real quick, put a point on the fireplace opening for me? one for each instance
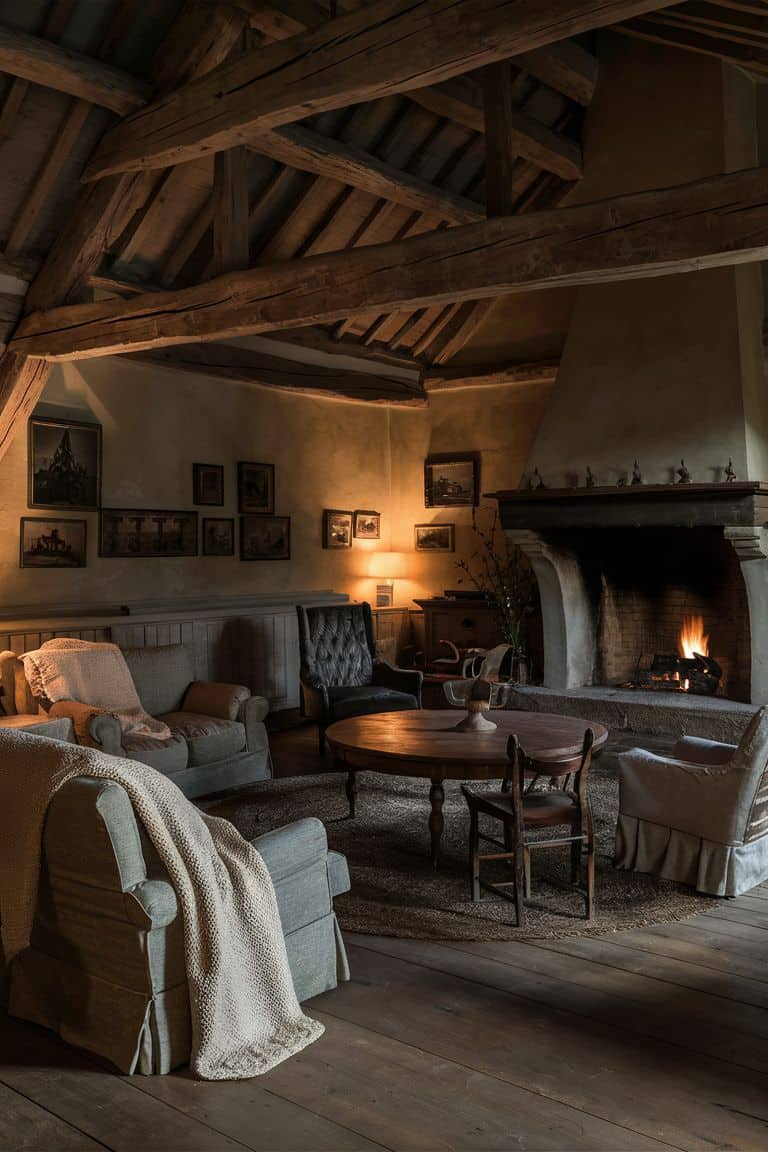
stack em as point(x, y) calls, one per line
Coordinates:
point(671, 610)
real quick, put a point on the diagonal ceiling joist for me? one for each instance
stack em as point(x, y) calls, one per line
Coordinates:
point(391, 46)
point(709, 223)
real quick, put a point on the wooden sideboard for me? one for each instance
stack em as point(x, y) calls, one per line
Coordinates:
point(467, 623)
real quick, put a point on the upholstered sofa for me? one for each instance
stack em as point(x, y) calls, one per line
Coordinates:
point(105, 966)
point(218, 738)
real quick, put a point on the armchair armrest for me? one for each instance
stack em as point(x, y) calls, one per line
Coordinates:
point(314, 699)
point(703, 800)
point(252, 714)
point(94, 727)
point(694, 750)
point(209, 699)
point(293, 847)
point(152, 904)
point(399, 679)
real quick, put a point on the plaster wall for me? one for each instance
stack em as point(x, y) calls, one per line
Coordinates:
point(668, 367)
point(327, 454)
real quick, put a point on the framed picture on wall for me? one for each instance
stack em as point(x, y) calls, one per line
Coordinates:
point(451, 481)
point(64, 464)
point(143, 533)
point(255, 488)
point(367, 525)
point(434, 537)
point(337, 528)
point(208, 484)
point(218, 536)
point(265, 537)
point(49, 543)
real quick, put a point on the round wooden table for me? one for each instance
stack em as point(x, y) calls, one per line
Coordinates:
point(424, 744)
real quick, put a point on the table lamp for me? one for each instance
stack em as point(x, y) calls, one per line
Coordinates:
point(385, 568)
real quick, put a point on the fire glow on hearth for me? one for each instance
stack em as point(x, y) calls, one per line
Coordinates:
point(691, 669)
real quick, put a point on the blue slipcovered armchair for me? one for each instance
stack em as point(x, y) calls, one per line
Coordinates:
point(105, 965)
point(340, 673)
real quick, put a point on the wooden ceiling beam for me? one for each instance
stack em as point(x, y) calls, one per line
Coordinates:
point(390, 46)
point(752, 55)
point(310, 151)
point(475, 376)
point(242, 364)
point(43, 62)
point(230, 211)
point(461, 100)
point(710, 223)
point(54, 23)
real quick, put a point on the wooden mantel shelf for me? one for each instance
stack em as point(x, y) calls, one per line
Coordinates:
point(741, 503)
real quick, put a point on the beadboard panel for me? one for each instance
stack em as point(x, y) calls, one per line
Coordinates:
point(250, 640)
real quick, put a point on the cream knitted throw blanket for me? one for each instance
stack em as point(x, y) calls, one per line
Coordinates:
point(95, 674)
point(245, 1015)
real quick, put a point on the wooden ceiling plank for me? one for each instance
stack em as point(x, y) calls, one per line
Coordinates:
point(319, 339)
point(310, 151)
point(474, 376)
point(462, 101)
point(230, 211)
point(53, 25)
point(740, 35)
point(437, 325)
point(43, 62)
point(295, 376)
point(704, 45)
point(566, 67)
point(288, 18)
point(460, 330)
point(391, 46)
point(716, 222)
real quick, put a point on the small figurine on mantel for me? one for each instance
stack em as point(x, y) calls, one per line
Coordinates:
point(590, 477)
point(730, 472)
point(622, 481)
point(536, 480)
point(683, 475)
point(637, 476)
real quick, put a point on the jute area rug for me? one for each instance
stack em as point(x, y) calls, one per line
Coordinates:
point(396, 892)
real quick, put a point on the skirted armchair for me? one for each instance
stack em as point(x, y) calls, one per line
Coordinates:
point(339, 672)
point(700, 816)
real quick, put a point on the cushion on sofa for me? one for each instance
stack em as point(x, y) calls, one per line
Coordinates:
point(208, 738)
point(167, 756)
point(161, 675)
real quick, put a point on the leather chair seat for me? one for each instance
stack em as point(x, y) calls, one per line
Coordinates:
point(365, 699)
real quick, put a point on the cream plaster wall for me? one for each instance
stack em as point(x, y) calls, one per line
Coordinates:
point(667, 367)
point(326, 453)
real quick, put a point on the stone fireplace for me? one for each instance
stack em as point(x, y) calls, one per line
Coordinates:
point(621, 568)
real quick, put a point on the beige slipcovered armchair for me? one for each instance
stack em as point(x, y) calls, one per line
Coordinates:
point(218, 739)
point(700, 816)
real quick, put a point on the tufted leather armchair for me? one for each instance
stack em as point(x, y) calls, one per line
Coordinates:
point(339, 672)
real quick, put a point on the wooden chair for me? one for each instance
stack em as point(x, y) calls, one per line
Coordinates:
point(522, 810)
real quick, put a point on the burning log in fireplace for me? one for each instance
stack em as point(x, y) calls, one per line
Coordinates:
point(691, 670)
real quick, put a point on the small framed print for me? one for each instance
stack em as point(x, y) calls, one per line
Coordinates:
point(255, 488)
point(367, 525)
point(142, 533)
point(435, 537)
point(208, 484)
point(451, 481)
point(48, 543)
point(265, 537)
point(64, 464)
point(337, 528)
point(218, 536)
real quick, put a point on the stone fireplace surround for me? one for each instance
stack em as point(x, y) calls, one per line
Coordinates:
point(611, 568)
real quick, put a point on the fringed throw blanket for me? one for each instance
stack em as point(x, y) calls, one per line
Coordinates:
point(245, 1015)
point(96, 674)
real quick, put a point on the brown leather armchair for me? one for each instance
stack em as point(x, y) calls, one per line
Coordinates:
point(340, 674)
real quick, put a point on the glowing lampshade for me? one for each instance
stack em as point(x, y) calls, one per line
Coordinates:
point(385, 568)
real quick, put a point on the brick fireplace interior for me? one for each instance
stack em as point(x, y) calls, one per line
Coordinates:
point(644, 582)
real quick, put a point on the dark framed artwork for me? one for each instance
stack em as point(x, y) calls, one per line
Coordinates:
point(52, 543)
point(218, 536)
point(64, 464)
point(451, 480)
point(145, 532)
point(265, 537)
point(367, 525)
point(435, 537)
point(208, 484)
point(337, 528)
point(255, 488)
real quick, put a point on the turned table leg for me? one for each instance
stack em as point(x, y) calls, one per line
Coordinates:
point(351, 791)
point(436, 822)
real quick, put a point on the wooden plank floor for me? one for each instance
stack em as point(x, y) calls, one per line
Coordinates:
point(654, 1038)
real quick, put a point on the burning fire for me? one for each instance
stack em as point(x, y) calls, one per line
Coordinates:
point(692, 640)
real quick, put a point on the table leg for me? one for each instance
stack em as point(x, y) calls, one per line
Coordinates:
point(351, 791)
point(436, 822)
